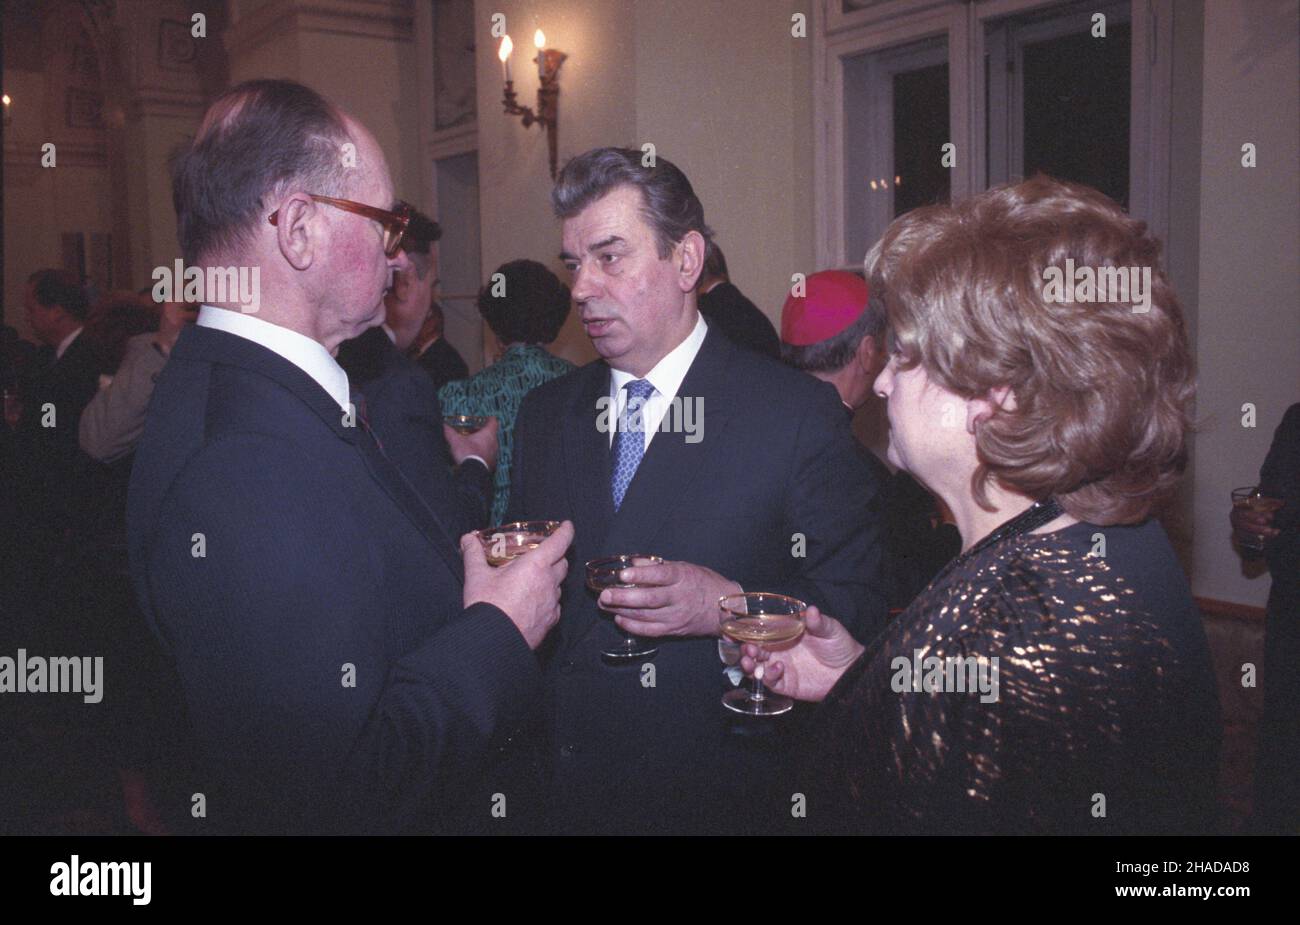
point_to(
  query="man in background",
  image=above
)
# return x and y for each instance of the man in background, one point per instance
(435, 354)
(726, 308)
(835, 331)
(452, 471)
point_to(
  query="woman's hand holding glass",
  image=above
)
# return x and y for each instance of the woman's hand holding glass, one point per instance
(809, 669)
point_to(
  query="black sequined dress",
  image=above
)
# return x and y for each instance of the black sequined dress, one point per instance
(1103, 719)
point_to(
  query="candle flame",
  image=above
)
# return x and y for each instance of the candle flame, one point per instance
(5, 99)
(506, 48)
(539, 39)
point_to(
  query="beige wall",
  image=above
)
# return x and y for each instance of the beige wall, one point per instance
(597, 107)
(730, 104)
(40, 203)
(1248, 317)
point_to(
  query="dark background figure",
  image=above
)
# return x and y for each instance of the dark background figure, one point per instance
(725, 307)
(452, 472)
(525, 308)
(54, 475)
(434, 352)
(1276, 809)
(835, 331)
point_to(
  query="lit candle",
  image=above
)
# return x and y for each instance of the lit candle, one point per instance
(539, 39)
(503, 53)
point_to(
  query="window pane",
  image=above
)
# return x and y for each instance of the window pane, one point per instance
(1076, 92)
(920, 131)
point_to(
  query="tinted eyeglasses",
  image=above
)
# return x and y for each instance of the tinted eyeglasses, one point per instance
(394, 223)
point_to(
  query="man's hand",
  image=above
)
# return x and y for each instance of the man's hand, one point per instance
(482, 443)
(808, 669)
(673, 599)
(527, 589)
(175, 315)
(1249, 525)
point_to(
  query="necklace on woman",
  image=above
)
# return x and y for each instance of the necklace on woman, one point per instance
(1028, 520)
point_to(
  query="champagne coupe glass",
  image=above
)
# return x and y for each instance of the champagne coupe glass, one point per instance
(603, 573)
(762, 619)
(506, 542)
(465, 424)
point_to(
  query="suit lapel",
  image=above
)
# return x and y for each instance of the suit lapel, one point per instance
(586, 455)
(212, 346)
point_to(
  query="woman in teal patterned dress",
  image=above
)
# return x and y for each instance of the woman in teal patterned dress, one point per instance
(525, 307)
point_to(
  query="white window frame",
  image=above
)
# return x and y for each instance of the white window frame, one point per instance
(1006, 148)
(838, 35)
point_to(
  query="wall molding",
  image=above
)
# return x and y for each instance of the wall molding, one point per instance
(381, 19)
(1213, 607)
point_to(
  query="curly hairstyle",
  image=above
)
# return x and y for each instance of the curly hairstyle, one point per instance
(1102, 389)
(531, 307)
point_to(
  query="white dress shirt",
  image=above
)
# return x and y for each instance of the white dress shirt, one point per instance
(65, 343)
(666, 377)
(300, 350)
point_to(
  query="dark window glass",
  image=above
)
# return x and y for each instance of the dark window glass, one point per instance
(1077, 109)
(920, 131)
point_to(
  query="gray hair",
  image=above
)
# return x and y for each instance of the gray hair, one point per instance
(669, 203)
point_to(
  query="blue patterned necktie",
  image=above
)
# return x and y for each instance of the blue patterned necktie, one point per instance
(629, 441)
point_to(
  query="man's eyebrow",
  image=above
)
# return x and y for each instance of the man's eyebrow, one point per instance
(612, 239)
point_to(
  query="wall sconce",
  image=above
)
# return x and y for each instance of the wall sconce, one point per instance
(548, 91)
(6, 101)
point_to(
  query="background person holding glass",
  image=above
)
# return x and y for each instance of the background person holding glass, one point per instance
(1273, 532)
(1053, 430)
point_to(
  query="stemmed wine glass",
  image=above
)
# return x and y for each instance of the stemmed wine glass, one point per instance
(603, 573)
(506, 542)
(762, 619)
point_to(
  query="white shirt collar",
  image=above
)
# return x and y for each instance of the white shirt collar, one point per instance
(65, 343)
(389, 332)
(666, 377)
(303, 352)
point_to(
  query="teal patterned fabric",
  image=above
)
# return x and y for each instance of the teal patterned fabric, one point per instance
(499, 389)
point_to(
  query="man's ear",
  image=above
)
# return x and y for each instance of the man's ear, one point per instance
(297, 230)
(868, 355)
(690, 257)
(979, 409)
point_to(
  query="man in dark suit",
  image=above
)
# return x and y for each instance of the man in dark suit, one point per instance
(435, 355)
(834, 329)
(343, 664)
(726, 308)
(739, 472)
(55, 475)
(453, 471)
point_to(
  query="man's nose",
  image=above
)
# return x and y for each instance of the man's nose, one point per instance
(584, 285)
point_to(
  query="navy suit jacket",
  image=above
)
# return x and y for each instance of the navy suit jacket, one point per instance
(311, 602)
(404, 411)
(774, 496)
